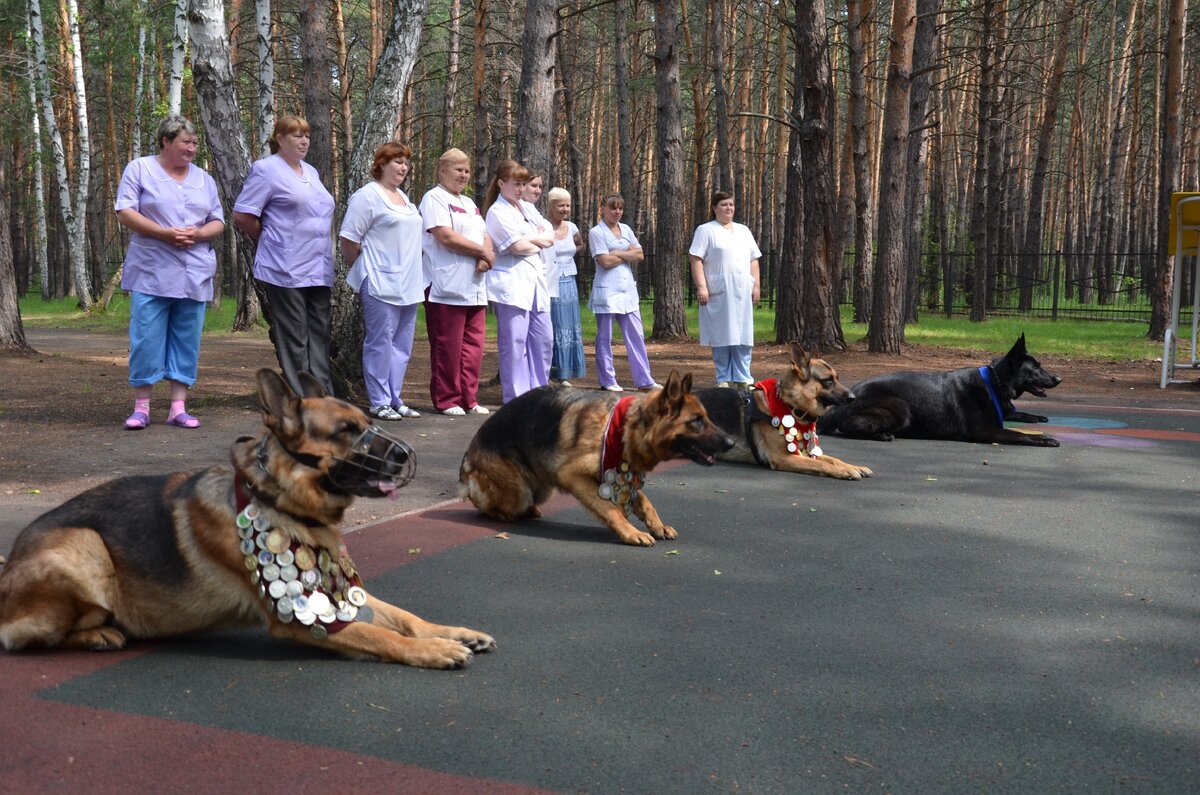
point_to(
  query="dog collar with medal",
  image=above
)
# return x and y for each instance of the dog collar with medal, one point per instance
(801, 437)
(318, 587)
(619, 483)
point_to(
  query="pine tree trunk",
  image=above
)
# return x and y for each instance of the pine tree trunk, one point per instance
(886, 330)
(720, 96)
(317, 63)
(1163, 282)
(624, 128)
(670, 321)
(807, 310)
(12, 332)
(857, 12)
(917, 160)
(481, 165)
(451, 74)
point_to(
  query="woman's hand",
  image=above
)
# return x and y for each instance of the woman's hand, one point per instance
(702, 295)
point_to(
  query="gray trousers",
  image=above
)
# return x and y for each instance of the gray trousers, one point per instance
(300, 329)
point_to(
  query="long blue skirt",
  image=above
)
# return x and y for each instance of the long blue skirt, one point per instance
(567, 361)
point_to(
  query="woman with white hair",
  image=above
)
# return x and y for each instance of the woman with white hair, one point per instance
(567, 357)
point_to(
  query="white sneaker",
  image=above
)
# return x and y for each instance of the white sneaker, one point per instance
(454, 411)
(385, 413)
(564, 382)
(612, 388)
(478, 409)
(405, 412)
(654, 385)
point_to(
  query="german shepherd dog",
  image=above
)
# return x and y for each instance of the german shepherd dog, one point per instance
(773, 425)
(258, 543)
(593, 445)
(968, 405)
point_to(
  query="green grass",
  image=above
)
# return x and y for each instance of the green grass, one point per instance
(1094, 339)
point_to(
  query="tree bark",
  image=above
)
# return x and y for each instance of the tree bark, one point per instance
(40, 242)
(12, 332)
(535, 94)
(179, 43)
(916, 184)
(318, 86)
(807, 310)
(886, 330)
(720, 95)
(857, 12)
(670, 321)
(380, 117)
(266, 73)
(481, 165)
(1169, 181)
(213, 76)
(624, 129)
(451, 74)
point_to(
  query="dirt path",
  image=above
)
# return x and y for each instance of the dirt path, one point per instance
(61, 411)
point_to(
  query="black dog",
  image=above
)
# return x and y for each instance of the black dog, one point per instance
(968, 405)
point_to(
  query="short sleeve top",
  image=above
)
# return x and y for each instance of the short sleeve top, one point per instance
(389, 236)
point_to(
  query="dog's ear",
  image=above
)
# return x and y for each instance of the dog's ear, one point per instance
(676, 388)
(280, 406)
(800, 359)
(310, 386)
(1018, 348)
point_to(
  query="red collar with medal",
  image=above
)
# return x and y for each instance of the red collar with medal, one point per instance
(619, 483)
(801, 437)
(317, 587)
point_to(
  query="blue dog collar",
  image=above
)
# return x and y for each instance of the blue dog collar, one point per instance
(989, 381)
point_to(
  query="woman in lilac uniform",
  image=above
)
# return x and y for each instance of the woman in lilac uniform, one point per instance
(614, 247)
(286, 209)
(516, 284)
(172, 210)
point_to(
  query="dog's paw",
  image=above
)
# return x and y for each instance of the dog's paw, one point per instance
(638, 539)
(857, 473)
(98, 639)
(884, 437)
(439, 653)
(1049, 441)
(475, 641)
(669, 533)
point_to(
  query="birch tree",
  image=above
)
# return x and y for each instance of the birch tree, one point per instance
(212, 72)
(40, 242)
(380, 117)
(266, 73)
(73, 221)
(179, 43)
(79, 267)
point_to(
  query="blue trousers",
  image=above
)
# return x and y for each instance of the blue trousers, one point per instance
(733, 363)
(164, 339)
(387, 348)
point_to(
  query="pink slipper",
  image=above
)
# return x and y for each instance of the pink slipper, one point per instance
(183, 420)
(136, 421)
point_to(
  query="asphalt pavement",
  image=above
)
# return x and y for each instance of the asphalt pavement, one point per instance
(974, 617)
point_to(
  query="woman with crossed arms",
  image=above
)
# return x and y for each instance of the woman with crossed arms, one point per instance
(614, 295)
(516, 284)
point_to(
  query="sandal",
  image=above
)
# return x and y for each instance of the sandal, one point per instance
(183, 420)
(136, 421)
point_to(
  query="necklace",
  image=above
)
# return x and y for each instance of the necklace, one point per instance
(619, 483)
(318, 587)
(801, 437)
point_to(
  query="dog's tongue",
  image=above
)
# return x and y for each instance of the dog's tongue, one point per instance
(388, 487)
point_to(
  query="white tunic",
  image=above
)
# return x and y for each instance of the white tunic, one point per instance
(515, 279)
(728, 318)
(549, 265)
(451, 276)
(389, 237)
(614, 290)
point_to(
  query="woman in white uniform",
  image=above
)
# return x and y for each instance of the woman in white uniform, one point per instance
(724, 259)
(381, 242)
(516, 284)
(614, 248)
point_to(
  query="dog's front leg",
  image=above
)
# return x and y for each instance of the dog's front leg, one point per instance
(387, 615)
(825, 465)
(645, 511)
(365, 640)
(612, 516)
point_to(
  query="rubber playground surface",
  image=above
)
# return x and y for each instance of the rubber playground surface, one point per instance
(974, 616)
